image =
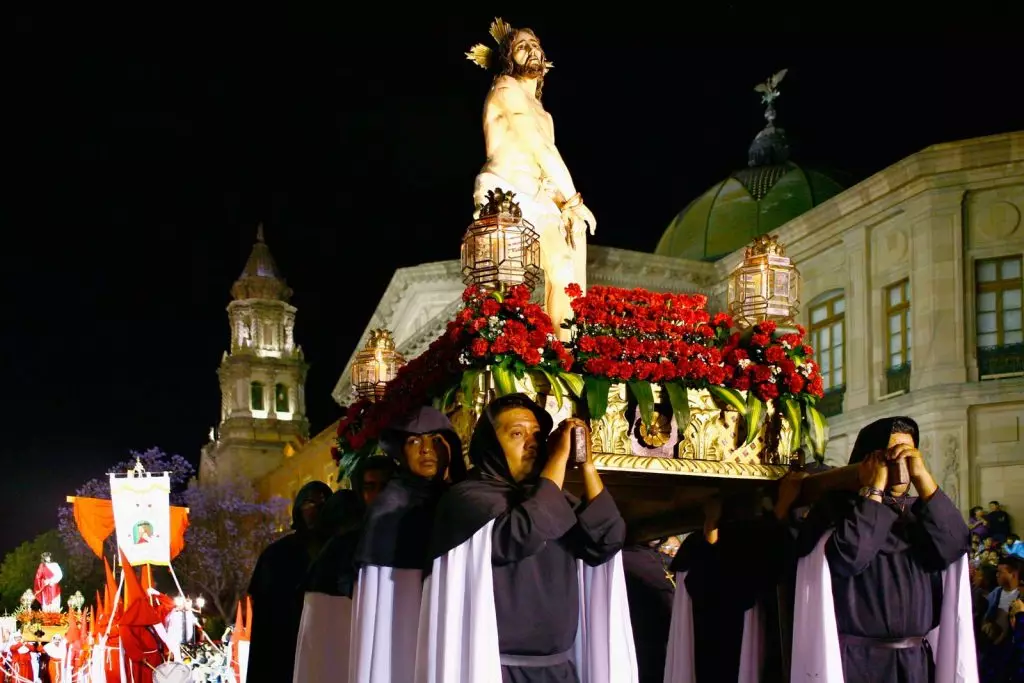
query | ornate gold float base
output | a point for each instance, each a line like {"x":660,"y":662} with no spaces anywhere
{"x":48,"y":633}
{"x":710,"y":444}
{"x":660,"y":479}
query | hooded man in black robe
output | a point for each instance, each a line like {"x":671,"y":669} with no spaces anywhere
{"x":393,"y":549}
{"x":276,"y":589}
{"x":371,"y":475}
{"x":511,"y":524}
{"x":325,"y":628}
{"x":650,"y":589}
{"x":730,"y":572}
{"x":887,"y":557}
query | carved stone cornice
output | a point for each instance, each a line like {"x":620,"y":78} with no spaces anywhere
{"x":626,"y":268}
{"x":438,"y":280}
{"x":437,"y":286}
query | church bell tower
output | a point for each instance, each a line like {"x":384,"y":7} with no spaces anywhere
{"x":262,"y":377}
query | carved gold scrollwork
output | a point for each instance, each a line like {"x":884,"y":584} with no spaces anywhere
{"x":711,"y":443}
{"x":610,"y":434}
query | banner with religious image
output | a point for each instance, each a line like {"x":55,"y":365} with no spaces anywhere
{"x":142,"y":516}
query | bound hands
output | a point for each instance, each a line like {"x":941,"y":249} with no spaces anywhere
{"x":577,"y":219}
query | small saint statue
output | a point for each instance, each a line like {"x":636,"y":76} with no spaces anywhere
{"x":519,"y":136}
{"x":47,"y":583}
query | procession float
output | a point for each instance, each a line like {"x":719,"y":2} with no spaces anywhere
{"x":131,"y":631}
{"x":683,"y":402}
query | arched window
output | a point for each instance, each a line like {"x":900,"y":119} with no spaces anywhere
{"x":827,"y":331}
{"x":281,"y":403}
{"x":256,"y":396}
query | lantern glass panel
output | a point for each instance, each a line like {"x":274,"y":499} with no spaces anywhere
{"x":501,"y":251}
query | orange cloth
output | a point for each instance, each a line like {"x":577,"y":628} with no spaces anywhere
{"x":95,"y":520}
{"x":179,"y":525}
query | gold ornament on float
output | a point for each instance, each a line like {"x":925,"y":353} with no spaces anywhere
{"x":501,"y":249}
{"x":376,"y":365}
{"x":766,"y":286}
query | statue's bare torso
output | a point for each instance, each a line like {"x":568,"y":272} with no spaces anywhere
{"x":511,"y":154}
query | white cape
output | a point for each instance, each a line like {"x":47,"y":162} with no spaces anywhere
{"x":458,"y":635}
{"x":243,"y":660}
{"x":385,"y":622}
{"x":816,"y":653}
{"x":321,"y":651}
{"x":679,"y":660}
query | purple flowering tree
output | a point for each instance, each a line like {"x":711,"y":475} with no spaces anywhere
{"x":81,"y":560}
{"x":228,"y":529}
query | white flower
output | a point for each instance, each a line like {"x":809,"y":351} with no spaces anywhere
{"x":743,"y":363}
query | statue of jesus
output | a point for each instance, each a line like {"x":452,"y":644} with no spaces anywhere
{"x":47,"y":584}
{"x":519,"y":135}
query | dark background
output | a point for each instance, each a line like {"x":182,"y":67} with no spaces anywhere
{"x":147,"y":145}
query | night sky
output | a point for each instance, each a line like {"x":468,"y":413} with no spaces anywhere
{"x":145,"y":149}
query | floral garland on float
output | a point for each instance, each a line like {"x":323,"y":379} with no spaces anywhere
{"x":653,"y":343}
{"x":667,"y":386}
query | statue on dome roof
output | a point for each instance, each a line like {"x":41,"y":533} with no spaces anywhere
{"x":519,"y":136}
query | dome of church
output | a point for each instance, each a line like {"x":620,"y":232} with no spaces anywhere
{"x":771,"y":191}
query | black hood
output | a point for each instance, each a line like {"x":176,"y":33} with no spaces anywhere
{"x":343,"y":508}
{"x":489,"y":489}
{"x":485,"y":451}
{"x":875,"y":437}
{"x":304,"y":494}
{"x":424,"y":420}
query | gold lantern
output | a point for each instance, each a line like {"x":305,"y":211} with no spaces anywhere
{"x":766,"y":286}
{"x":500,"y":248}
{"x":376,"y":365}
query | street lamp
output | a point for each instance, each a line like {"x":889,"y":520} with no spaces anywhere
{"x":376,"y":365}
{"x":501,"y":249}
{"x":766,"y":286}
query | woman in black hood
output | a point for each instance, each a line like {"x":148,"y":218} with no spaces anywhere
{"x":276,"y":591}
{"x":429,"y":457}
{"x":392,"y":552}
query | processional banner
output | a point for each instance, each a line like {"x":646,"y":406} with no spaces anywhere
{"x":142,"y":516}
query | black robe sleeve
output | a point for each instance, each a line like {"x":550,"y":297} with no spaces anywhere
{"x":859,"y":535}
{"x":809,"y":529}
{"x":945,"y":536}
{"x":600,"y":531}
{"x":524,"y":528}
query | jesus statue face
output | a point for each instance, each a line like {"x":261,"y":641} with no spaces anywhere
{"x":527,"y":55}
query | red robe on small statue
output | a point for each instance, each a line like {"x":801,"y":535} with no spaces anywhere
{"x":47,"y":584}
